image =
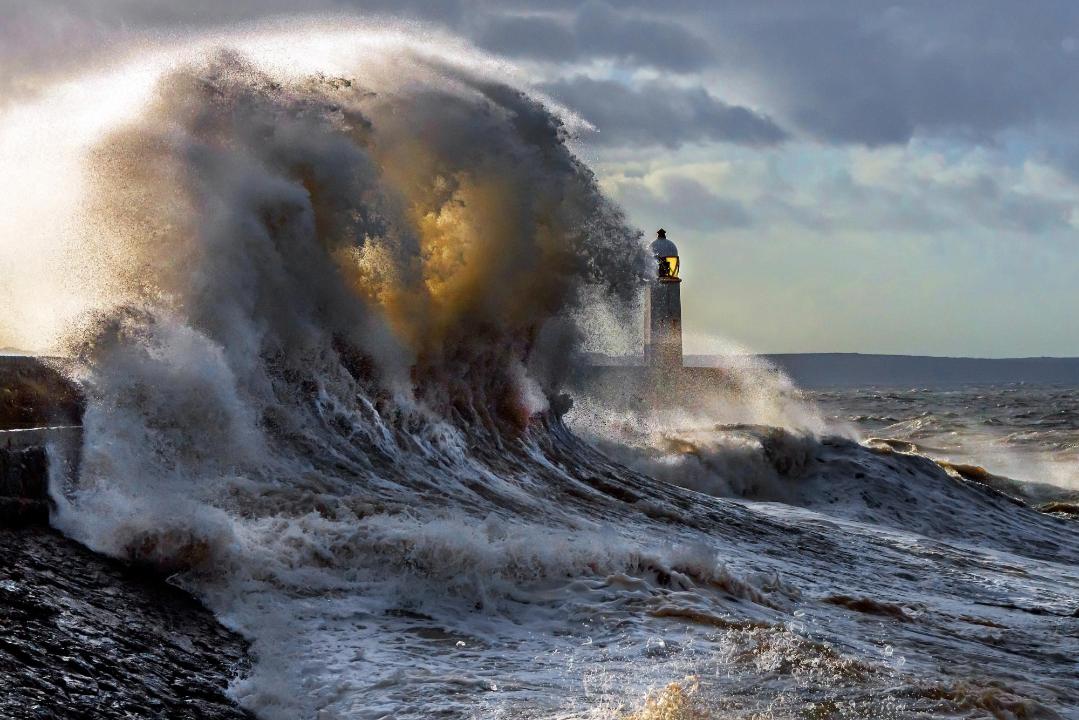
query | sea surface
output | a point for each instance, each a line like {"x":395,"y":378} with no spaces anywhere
{"x":1024,"y":431}
{"x":917,"y":578}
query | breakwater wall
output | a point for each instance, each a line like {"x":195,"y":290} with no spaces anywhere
{"x":40,"y":436}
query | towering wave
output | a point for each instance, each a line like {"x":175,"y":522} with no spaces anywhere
{"x":436,"y":223}
{"x":338,"y":308}
{"x":354,"y":258}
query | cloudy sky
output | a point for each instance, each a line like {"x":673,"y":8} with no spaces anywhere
{"x":840,"y":175}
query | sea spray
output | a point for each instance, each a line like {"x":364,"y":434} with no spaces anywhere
{"x":315,"y":296}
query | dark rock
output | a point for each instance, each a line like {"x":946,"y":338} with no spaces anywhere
{"x":85,"y":636}
{"x":40,"y":410}
{"x":33,"y":393}
{"x":24,"y":497}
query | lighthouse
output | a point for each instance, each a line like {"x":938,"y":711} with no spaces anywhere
{"x":663,"y":308}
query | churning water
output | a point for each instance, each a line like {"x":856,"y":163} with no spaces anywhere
{"x":324,"y":289}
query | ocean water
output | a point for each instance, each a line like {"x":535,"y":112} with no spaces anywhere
{"x":327,"y":290}
{"x":1025,"y":432}
{"x":902,"y":524}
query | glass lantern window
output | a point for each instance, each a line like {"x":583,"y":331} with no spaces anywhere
{"x":668,"y":266}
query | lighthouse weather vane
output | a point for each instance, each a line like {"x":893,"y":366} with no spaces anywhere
{"x":663,"y":311}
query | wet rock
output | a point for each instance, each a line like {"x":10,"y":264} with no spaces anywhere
{"x":35,"y":393}
{"x":84,"y":636}
{"x":24,"y":498}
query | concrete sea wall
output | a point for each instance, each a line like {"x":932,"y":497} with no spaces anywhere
{"x":40,"y":436}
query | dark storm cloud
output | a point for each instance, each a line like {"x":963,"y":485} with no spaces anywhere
{"x":870,"y":72}
{"x":681,"y":197}
{"x":602,"y":30}
{"x":689,"y":199}
{"x":596,"y":30}
{"x":883,"y":74}
{"x":530,"y":36}
{"x":656,"y":113}
{"x":879,"y":72}
{"x":200,"y":13}
{"x":923,"y":205}
{"x":998,"y":207}
{"x":41,"y":39}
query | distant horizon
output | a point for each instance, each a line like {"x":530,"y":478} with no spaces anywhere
{"x":853,"y":352}
{"x":821,"y":370}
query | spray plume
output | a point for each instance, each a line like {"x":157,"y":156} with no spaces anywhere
{"x":413,"y":217}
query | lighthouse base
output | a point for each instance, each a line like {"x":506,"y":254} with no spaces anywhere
{"x":663,"y":324}
{"x":666,"y":355}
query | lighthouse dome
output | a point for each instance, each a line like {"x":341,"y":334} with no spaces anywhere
{"x":662,"y":247}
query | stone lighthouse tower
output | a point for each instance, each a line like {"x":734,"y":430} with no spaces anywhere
{"x":663,"y":308}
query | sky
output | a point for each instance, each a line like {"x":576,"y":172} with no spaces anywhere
{"x":839,"y":175}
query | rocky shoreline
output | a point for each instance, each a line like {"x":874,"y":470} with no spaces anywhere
{"x":81,"y":635}
{"x":85,"y":636}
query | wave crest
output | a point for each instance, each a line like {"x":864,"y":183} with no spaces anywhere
{"x":434,"y":235}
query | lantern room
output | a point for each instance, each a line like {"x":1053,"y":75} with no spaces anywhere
{"x":666,"y":255}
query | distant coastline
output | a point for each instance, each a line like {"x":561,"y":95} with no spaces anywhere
{"x":854,"y":369}
{"x":823,"y":370}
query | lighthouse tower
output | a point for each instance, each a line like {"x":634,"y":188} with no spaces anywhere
{"x":663,"y":308}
